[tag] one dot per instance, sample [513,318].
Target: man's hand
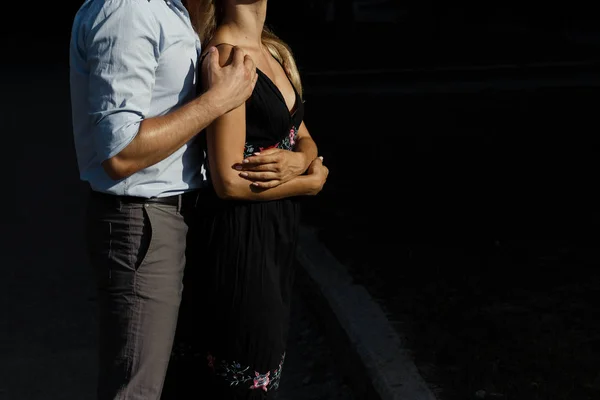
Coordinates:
[231,84]
[319,172]
[272,167]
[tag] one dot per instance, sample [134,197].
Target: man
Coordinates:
[133,68]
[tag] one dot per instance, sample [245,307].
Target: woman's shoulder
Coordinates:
[225,50]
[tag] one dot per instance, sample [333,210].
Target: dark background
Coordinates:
[440,33]
[462,143]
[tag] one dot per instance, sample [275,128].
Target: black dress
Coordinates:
[246,268]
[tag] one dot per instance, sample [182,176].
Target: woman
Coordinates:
[249,228]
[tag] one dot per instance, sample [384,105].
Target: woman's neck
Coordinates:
[245,20]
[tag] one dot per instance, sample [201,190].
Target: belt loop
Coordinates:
[179,196]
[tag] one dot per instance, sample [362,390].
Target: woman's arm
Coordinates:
[226,138]
[306,146]
[273,167]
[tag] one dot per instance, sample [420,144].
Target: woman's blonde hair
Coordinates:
[206,15]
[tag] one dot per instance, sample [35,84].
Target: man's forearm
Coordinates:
[159,137]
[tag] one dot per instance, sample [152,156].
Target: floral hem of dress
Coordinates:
[236,374]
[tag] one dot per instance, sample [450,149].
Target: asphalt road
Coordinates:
[48,326]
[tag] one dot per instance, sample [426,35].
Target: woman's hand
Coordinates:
[319,172]
[272,167]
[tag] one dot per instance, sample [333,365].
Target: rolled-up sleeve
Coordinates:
[122,49]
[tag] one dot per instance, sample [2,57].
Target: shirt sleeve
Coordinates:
[122,56]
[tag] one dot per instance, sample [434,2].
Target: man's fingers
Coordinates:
[237,55]
[213,55]
[254,79]
[249,63]
[251,67]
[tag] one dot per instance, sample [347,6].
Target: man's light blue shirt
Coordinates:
[131,60]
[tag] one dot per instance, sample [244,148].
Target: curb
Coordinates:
[363,341]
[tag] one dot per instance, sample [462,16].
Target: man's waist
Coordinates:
[178,200]
[168,177]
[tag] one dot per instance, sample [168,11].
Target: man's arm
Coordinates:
[159,137]
[122,53]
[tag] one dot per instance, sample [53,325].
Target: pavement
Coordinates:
[377,362]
